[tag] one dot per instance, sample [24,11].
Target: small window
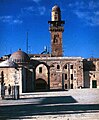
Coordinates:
[65,76]
[55,18]
[40,69]
[71,86]
[65,86]
[55,41]
[58,67]
[79,66]
[71,66]
[65,66]
[2,77]
[71,76]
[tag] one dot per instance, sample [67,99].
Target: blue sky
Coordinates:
[81,35]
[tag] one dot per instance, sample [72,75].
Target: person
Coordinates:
[3,91]
[9,89]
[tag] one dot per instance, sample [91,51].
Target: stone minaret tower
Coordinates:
[56,28]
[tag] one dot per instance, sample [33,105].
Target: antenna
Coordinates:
[10,50]
[92,54]
[27,42]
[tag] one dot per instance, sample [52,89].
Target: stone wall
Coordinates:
[65,73]
[10,76]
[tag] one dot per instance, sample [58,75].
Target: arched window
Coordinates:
[58,67]
[55,41]
[71,66]
[56,36]
[65,67]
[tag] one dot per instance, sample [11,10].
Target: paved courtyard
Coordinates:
[80,104]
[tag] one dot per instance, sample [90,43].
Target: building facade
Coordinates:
[52,71]
[91,72]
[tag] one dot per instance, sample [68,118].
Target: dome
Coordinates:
[55,8]
[19,57]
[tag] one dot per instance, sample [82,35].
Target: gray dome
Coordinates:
[56,8]
[20,57]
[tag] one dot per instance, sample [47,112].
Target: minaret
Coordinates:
[56,28]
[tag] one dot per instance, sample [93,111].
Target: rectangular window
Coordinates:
[71,76]
[65,86]
[40,69]
[71,86]
[65,76]
[71,67]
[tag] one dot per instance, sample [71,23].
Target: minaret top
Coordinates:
[56,18]
[56,13]
[56,8]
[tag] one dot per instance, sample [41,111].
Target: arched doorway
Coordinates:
[42,77]
[41,85]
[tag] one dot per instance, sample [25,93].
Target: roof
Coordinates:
[8,63]
[56,8]
[20,57]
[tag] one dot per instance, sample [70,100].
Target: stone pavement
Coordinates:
[79,104]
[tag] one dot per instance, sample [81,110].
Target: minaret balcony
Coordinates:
[58,28]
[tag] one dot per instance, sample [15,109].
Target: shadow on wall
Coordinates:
[88,65]
[46,106]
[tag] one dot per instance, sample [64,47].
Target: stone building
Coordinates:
[42,73]
[50,71]
[91,72]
